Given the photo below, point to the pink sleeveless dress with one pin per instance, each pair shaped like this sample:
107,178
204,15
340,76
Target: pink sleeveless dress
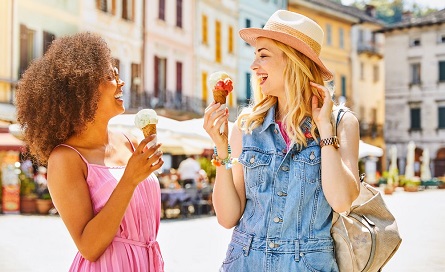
134,247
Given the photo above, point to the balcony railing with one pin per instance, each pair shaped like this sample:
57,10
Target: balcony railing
166,99
370,48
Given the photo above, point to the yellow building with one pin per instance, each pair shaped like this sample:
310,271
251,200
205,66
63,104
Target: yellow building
336,49
6,79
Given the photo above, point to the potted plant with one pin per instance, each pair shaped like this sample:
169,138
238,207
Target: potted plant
28,194
411,185
44,203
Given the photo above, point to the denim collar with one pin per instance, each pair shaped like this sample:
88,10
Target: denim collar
270,120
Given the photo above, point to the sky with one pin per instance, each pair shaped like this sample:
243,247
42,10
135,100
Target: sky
438,4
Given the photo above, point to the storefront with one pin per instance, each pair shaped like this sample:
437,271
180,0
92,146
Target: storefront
10,149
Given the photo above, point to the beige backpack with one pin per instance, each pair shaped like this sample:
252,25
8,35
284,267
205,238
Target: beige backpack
367,236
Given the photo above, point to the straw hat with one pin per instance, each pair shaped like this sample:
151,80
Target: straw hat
295,30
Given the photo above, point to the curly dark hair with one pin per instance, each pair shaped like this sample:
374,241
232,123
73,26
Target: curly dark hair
58,94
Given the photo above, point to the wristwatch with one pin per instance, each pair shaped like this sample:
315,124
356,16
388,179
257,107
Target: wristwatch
330,141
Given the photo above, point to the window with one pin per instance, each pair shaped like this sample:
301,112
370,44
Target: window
328,34
179,77
247,22
179,13
376,72
248,87
342,38
441,71
47,40
415,42
415,119
415,73
102,5
361,36
27,48
204,29
161,11
204,86
160,78
135,87
230,40
343,86
441,117
218,41
127,10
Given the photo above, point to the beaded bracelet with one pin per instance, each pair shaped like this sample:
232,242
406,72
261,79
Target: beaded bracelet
227,162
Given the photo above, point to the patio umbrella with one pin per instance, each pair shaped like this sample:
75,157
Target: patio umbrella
425,173
176,138
393,164
365,150
10,142
409,170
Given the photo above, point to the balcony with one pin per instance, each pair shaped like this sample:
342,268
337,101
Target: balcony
370,48
176,104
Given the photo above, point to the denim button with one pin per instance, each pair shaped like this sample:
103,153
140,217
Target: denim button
271,245
276,219
301,254
312,156
276,131
285,168
252,160
284,151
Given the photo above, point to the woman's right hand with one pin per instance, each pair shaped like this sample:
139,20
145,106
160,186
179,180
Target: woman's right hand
214,117
144,161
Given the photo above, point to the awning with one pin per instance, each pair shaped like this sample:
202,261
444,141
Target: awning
176,138
9,142
365,150
7,112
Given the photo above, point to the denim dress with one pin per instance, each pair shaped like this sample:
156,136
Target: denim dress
286,222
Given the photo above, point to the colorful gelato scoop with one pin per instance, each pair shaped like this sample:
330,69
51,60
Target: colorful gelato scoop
222,85
146,120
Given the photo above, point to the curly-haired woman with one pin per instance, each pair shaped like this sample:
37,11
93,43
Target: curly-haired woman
293,171
102,186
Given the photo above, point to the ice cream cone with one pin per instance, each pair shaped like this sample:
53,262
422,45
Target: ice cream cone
220,96
149,130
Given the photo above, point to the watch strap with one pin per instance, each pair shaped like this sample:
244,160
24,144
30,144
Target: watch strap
330,141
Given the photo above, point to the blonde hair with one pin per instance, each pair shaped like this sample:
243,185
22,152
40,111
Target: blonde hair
299,71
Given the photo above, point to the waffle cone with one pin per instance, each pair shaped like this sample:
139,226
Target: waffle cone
220,96
149,130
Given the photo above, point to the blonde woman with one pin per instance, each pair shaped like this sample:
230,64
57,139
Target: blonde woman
290,172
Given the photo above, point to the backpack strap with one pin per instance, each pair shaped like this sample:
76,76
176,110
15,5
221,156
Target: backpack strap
341,112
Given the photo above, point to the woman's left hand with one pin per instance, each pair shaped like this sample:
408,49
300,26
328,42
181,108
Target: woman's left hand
322,115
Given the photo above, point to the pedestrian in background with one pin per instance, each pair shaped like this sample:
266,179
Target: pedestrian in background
102,186
291,172
188,171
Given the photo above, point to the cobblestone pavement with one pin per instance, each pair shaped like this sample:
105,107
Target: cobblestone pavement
41,243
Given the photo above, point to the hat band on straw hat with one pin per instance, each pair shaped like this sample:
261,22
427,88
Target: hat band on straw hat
273,26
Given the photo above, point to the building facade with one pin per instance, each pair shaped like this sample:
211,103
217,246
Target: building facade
336,49
249,17
415,89
169,63
215,47
30,26
120,23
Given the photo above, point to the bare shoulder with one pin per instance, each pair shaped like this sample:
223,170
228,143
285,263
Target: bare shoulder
65,161
349,121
